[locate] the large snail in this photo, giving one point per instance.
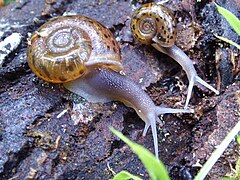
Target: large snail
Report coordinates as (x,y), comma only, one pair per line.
(155,25)
(83,55)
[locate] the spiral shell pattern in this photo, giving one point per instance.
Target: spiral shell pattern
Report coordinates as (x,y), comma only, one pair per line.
(154,23)
(67,47)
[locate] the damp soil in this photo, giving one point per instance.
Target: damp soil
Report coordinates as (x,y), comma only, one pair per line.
(43,134)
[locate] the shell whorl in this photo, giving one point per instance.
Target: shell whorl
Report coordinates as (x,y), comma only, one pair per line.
(65,48)
(154,22)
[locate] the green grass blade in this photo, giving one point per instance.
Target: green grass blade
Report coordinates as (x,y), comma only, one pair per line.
(228,41)
(218,152)
(227,178)
(238,139)
(155,167)
(124,175)
(231,18)
(237,168)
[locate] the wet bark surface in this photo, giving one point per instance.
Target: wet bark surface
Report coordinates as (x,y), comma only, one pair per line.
(48,133)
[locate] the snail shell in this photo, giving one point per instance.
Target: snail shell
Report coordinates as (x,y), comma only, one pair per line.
(67,47)
(154,22)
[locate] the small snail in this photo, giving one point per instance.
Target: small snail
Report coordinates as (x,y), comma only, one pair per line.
(155,25)
(83,55)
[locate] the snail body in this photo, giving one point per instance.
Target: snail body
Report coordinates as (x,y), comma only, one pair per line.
(83,55)
(153,24)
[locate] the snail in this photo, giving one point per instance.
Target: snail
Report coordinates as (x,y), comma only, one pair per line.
(83,55)
(153,24)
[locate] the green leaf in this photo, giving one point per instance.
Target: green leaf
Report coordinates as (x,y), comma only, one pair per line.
(228,178)
(231,18)
(238,139)
(124,175)
(228,41)
(155,167)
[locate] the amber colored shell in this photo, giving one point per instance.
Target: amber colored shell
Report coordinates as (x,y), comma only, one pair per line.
(154,21)
(67,47)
